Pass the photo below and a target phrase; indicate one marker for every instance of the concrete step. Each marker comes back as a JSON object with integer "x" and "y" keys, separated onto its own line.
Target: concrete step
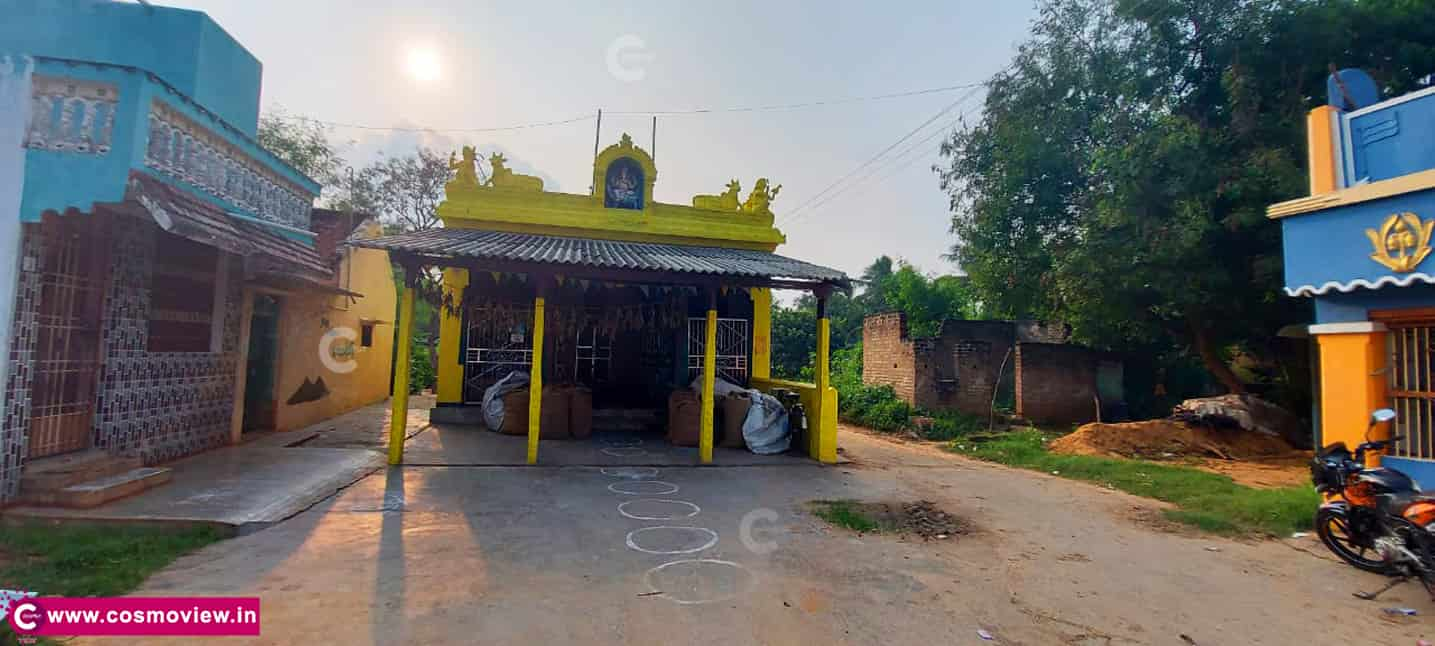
{"x": 60, "y": 471}
{"x": 100, "y": 491}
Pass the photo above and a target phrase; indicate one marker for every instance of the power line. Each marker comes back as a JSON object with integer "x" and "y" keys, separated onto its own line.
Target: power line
{"x": 521, "y": 126}
{"x": 795, "y": 106}
{"x": 694, "y": 111}
{"x": 898, "y": 163}
{"x": 838, "y": 182}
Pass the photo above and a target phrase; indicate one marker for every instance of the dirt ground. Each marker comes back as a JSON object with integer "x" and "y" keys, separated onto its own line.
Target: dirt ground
{"x": 673, "y": 554}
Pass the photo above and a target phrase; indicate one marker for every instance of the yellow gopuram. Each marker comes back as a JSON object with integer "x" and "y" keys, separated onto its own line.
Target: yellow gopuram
{"x": 635, "y": 304}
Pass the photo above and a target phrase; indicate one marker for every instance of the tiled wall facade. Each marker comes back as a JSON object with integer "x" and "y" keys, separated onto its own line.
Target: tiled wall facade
{"x": 22, "y": 363}
{"x": 159, "y": 406}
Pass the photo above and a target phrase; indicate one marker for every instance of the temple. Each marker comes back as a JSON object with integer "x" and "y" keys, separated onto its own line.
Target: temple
{"x": 611, "y": 290}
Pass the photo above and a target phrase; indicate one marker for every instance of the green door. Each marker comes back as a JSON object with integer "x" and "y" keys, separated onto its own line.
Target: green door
{"x": 260, "y": 406}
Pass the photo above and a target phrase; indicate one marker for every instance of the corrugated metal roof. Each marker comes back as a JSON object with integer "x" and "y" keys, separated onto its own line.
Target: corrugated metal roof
{"x": 188, "y": 216}
{"x": 606, "y": 254}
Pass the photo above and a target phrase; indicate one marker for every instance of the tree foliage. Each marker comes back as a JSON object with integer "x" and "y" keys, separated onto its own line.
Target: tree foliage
{"x": 302, "y": 143}
{"x": 1118, "y": 177}
{"x": 887, "y": 285}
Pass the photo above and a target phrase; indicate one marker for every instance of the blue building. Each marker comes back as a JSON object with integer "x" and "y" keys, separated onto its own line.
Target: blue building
{"x": 1360, "y": 246}
{"x": 148, "y": 234}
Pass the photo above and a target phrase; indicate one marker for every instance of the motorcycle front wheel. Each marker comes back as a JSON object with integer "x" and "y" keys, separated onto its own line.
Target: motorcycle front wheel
{"x": 1332, "y": 524}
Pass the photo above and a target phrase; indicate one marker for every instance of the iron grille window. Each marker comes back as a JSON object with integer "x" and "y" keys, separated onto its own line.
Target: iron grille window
{"x": 731, "y": 352}
{"x": 1412, "y": 389}
{"x": 497, "y": 342}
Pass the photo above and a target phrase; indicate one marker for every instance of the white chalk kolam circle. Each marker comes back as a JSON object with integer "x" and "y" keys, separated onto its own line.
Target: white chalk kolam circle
{"x": 698, "y": 581}
{"x": 631, "y": 473}
{"x": 651, "y": 514}
{"x": 644, "y": 488}
{"x": 701, "y": 538}
{"x": 624, "y": 451}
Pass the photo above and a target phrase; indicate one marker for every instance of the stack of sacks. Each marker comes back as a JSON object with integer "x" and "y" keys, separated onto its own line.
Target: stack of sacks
{"x": 515, "y": 413}
{"x": 684, "y": 417}
{"x": 734, "y": 409}
{"x": 553, "y": 418}
{"x": 580, "y": 412}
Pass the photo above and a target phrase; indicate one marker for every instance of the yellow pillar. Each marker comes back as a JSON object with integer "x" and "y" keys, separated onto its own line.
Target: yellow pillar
{"x": 1321, "y": 147}
{"x": 1352, "y": 381}
{"x": 535, "y": 381}
{"x": 450, "y": 338}
{"x": 822, "y": 433}
{"x": 705, "y": 430}
{"x": 402, "y": 358}
{"x": 761, "y": 332}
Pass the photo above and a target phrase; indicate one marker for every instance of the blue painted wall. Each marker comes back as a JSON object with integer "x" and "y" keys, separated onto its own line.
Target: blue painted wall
{"x": 1393, "y": 139}
{"x": 185, "y": 48}
{"x": 1423, "y": 471}
{"x": 1355, "y": 306}
{"x": 1331, "y": 245}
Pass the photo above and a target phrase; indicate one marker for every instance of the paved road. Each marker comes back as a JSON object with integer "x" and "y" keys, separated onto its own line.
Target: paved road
{"x": 499, "y": 555}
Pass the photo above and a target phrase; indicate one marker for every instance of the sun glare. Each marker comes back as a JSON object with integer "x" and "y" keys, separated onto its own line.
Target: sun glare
{"x": 424, "y": 64}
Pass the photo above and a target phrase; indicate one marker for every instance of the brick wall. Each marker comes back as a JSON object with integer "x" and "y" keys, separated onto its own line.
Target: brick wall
{"x": 964, "y": 365}
{"x": 888, "y": 355}
{"x": 1056, "y": 383}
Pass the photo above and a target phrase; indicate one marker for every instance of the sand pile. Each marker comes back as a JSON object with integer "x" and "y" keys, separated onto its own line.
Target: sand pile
{"x": 1165, "y": 439}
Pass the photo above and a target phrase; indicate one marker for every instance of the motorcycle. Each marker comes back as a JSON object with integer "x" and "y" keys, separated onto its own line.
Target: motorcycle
{"x": 1375, "y": 519}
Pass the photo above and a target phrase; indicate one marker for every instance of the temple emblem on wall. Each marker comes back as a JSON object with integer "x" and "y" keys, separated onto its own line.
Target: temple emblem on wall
{"x": 1402, "y": 242}
{"x": 623, "y": 187}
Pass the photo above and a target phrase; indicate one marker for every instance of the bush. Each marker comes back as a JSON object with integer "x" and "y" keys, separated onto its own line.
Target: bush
{"x": 949, "y": 425}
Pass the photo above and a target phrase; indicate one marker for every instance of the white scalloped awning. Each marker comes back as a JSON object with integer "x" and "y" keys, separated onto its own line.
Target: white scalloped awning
{"x": 1337, "y": 286}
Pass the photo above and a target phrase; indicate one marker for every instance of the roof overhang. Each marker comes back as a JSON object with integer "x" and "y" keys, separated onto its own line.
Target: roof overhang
{"x": 606, "y": 260}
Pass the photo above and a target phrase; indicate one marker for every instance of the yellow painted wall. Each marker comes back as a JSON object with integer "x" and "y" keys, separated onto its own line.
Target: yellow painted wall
{"x": 1352, "y": 385}
{"x": 761, "y": 332}
{"x": 821, "y": 416}
{"x": 304, "y": 319}
{"x": 450, "y": 330}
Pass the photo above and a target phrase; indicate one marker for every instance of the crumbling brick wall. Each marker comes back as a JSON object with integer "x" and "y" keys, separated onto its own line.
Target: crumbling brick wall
{"x": 1056, "y": 383}
{"x": 888, "y": 354}
{"x": 961, "y": 368}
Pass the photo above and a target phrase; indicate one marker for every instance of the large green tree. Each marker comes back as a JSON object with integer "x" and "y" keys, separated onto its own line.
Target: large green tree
{"x": 1118, "y": 177}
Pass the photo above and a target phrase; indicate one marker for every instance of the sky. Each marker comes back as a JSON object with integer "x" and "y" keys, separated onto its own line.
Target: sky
{"x": 468, "y": 65}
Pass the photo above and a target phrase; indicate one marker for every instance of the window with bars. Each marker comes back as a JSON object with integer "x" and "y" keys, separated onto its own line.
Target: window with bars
{"x": 731, "y": 353}
{"x": 1412, "y": 388}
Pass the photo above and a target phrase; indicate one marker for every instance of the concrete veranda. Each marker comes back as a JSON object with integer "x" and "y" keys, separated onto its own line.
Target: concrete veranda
{"x": 507, "y": 555}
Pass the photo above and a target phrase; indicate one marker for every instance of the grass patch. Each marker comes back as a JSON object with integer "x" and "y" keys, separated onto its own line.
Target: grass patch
{"x": 88, "y": 560}
{"x": 847, "y": 514}
{"x": 92, "y": 560}
{"x": 1208, "y": 501}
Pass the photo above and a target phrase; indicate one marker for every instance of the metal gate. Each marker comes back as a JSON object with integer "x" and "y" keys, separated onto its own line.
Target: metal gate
{"x": 592, "y": 355}
{"x": 1412, "y": 388}
{"x": 67, "y": 343}
{"x": 497, "y": 340}
{"x": 731, "y": 352}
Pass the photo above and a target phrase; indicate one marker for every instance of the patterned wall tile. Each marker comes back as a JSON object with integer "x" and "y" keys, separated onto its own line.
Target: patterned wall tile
{"x": 14, "y": 427}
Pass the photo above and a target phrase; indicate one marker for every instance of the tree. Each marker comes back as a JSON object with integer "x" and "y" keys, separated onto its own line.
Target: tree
{"x": 1118, "y": 177}
{"x": 302, "y": 143}
{"x": 406, "y": 190}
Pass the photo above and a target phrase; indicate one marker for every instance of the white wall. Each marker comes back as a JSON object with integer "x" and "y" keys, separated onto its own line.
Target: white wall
{"x": 14, "y": 117}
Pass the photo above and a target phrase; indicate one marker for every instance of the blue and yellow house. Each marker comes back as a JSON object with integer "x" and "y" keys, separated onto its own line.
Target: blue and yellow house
{"x": 1359, "y": 245}
{"x": 611, "y": 289}
{"x": 168, "y": 282}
